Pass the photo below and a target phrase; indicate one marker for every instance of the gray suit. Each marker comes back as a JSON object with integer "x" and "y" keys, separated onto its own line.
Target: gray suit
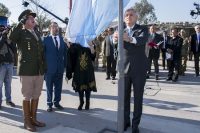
{"x": 153, "y": 53}
{"x": 108, "y": 46}
{"x": 110, "y": 59}
{"x": 135, "y": 73}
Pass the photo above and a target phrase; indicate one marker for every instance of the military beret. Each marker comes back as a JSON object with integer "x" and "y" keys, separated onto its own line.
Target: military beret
{"x": 26, "y": 13}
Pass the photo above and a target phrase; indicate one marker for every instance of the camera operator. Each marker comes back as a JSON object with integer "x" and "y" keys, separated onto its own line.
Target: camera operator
{"x": 7, "y": 50}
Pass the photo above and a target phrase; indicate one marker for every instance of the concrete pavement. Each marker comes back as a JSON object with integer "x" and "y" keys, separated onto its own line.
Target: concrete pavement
{"x": 168, "y": 108}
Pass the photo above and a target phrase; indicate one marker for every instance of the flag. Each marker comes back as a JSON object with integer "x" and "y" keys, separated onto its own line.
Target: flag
{"x": 89, "y": 18}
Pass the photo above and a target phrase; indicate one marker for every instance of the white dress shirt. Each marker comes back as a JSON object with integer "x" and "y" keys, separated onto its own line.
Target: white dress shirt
{"x": 130, "y": 33}
{"x": 57, "y": 38}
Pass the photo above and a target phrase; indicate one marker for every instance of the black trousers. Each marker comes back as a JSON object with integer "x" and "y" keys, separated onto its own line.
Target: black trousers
{"x": 138, "y": 89}
{"x": 163, "y": 51}
{"x": 190, "y": 55}
{"x": 87, "y": 95}
{"x": 111, "y": 66}
{"x": 174, "y": 66}
{"x": 155, "y": 61}
{"x": 196, "y": 62}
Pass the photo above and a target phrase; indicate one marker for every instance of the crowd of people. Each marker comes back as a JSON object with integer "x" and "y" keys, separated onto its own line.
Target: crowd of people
{"x": 49, "y": 57}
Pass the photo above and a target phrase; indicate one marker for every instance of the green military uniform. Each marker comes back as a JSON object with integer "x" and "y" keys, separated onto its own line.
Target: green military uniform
{"x": 98, "y": 50}
{"x": 30, "y": 52}
{"x": 31, "y": 66}
{"x": 184, "y": 55}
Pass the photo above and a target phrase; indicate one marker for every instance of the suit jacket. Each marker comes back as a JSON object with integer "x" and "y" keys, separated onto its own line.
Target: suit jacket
{"x": 151, "y": 51}
{"x": 194, "y": 43}
{"x": 136, "y": 59}
{"x": 56, "y": 59}
{"x": 108, "y": 46}
{"x": 31, "y": 60}
{"x": 175, "y": 45}
{"x": 165, "y": 41}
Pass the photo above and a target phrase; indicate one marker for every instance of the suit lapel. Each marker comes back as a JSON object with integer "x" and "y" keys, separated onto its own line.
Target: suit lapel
{"x": 134, "y": 30}
{"x": 52, "y": 41}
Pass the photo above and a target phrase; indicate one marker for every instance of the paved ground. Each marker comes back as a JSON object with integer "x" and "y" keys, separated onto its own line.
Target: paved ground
{"x": 168, "y": 108}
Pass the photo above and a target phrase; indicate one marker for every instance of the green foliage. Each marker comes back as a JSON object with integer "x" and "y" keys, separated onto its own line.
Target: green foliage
{"x": 145, "y": 11}
{"x": 4, "y": 11}
{"x": 42, "y": 18}
{"x": 43, "y": 22}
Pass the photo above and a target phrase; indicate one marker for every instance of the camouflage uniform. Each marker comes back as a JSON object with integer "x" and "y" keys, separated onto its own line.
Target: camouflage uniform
{"x": 184, "y": 55}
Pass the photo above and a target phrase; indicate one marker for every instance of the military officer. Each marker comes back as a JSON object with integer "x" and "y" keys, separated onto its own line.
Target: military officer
{"x": 31, "y": 66}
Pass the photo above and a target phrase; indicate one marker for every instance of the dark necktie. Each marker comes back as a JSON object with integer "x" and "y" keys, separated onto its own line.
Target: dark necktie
{"x": 55, "y": 38}
{"x": 130, "y": 31}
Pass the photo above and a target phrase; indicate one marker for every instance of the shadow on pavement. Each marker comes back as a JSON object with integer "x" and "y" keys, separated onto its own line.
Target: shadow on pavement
{"x": 166, "y": 105}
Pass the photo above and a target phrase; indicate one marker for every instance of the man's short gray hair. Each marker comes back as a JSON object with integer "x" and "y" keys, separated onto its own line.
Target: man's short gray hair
{"x": 131, "y": 9}
{"x": 197, "y": 26}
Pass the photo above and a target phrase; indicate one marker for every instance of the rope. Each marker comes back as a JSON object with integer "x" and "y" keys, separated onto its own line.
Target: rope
{"x": 151, "y": 88}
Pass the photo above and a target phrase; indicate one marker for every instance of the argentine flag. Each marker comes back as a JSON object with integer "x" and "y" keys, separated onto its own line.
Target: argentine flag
{"x": 89, "y": 18}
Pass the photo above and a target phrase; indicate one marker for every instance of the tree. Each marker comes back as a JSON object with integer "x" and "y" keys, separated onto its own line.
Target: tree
{"x": 42, "y": 19}
{"x": 4, "y": 11}
{"x": 146, "y": 12}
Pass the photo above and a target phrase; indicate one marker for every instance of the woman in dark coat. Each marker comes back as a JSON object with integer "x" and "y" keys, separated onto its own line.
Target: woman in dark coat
{"x": 81, "y": 65}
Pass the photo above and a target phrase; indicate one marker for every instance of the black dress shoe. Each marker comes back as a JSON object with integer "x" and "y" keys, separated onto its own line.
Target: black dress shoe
{"x": 113, "y": 78}
{"x": 107, "y": 78}
{"x": 174, "y": 80}
{"x": 10, "y": 103}
{"x": 126, "y": 126}
{"x": 156, "y": 77}
{"x": 59, "y": 107}
{"x": 87, "y": 107}
{"x": 80, "y": 106}
{"x": 135, "y": 130}
{"x": 169, "y": 78}
{"x": 49, "y": 109}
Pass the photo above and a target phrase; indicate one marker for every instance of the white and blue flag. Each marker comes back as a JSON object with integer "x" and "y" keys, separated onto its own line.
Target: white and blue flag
{"x": 89, "y": 18}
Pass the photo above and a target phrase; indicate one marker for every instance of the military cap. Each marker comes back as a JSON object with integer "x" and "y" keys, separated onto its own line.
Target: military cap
{"x": 26, "y": 13}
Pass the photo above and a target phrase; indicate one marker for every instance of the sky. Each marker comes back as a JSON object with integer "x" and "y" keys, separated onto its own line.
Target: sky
{"x": 166, "y": 10}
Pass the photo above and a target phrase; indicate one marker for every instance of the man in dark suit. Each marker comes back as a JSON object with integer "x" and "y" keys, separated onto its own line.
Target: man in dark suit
{"x": 55, "y": 55}
{"x": 135, "y": 39}
{"x": 195, "y": 48}
{"x": 31, "y": 66}
{"x": 153, "y": 50}
{"x": 174, "y": 55}
{"x": 109, "y": 53}
{"x": 163, "y": 49}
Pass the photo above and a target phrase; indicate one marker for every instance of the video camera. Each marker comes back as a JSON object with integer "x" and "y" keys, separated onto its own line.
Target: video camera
{"x": 4, "y": 27}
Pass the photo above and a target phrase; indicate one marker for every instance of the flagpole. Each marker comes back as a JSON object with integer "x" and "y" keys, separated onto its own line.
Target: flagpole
{"x": 70, "y": 6}
{"x": 121, "y": 89}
